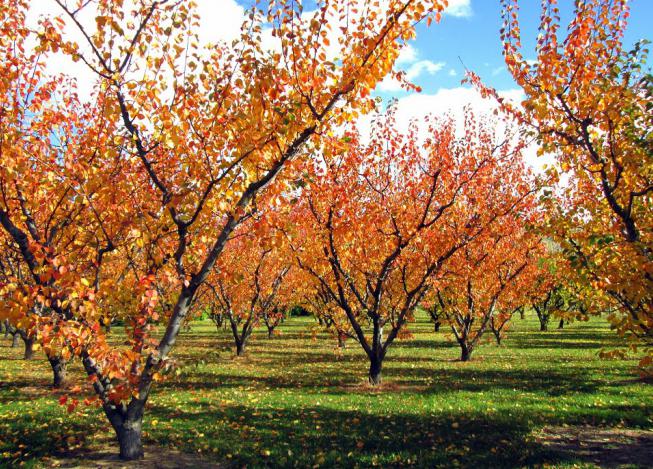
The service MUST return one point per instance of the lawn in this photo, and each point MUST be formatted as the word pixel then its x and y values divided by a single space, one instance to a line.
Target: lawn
pixel 542 398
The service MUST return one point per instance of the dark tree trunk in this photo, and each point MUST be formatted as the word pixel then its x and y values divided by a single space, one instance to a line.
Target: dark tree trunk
pixel 376 363
pixel 561 324
pixel 436 326
pixel 465 352
pixel 544 325
pixel 29 348
pixel 129 439
pixel 522 314
pixel 14 341
pixel 497 336
pixel 58 365
pixel 341 341
pixel 271 332
pixel 128 425
pixel 240 348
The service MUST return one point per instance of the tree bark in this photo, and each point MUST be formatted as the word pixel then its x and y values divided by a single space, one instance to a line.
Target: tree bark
pixel 544 326
pixel 14 342
pixel 376 363
pixel 465 352
pixel 342 344
pixel 58 365
pixel 29 348
pixel 561 324
pixel 240 348
pixel 128 425
pixel 436 327
pixel 270 332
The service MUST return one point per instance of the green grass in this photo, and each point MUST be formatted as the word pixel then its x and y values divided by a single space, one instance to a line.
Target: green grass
pixel 292 402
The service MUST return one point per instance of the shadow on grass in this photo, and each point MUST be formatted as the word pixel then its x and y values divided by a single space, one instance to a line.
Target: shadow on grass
pixel 334 438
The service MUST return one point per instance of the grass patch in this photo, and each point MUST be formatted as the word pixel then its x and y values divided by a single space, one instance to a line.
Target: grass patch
pixel 292 402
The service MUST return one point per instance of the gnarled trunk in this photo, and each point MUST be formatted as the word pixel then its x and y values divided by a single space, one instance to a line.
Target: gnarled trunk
pixel 376 363
pixel 240 347
pixel 58 365
pixel 465 352
pixel 342 343
pixel 29 348
pixel 128 425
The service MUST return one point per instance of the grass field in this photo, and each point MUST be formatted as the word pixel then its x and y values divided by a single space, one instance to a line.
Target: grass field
pixel 292 402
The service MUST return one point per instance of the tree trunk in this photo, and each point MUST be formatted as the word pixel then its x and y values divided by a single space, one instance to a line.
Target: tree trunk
pixel 522 314
pixel 129 439
pixel 376 364
pixel 29 348
pixel 341 342
pixel 240 348
pixel 270 332
pixel 14 341
pixel 465 352
pixel 128 426
pixel 543 325
pixel 561 324
pixel 58 365
pixel 497 336
pixel 436 326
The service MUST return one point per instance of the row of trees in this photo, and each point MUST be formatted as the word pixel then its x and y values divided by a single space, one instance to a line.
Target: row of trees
pixel 229 179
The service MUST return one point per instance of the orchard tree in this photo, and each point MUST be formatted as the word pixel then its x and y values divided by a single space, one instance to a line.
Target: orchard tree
pixel 589 101
pixel 328 314
pixel 380 220
pixel 547 301
pixel 247 281
pixel 159 168
pixel 487 277
pixel 500 321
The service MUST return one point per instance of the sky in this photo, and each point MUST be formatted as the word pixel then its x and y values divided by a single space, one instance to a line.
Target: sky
pixel 466 37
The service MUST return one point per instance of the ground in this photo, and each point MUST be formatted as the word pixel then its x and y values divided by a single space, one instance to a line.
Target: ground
pixel 540 399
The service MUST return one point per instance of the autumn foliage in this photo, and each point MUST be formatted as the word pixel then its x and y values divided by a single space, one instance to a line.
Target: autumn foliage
pixel 380 221
pixel 588 99
pixel 229 178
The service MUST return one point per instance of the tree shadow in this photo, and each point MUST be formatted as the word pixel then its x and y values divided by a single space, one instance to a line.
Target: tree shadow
pixel 304 437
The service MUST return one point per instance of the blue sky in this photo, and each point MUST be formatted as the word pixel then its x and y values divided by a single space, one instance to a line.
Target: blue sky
pixel 473 35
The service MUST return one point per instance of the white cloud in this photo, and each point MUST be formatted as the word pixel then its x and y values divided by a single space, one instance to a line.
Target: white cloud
pixel 407 55
pixel 452 73
pixel 459 8
pixel 220 20
pixel 452 102
pixel 414 68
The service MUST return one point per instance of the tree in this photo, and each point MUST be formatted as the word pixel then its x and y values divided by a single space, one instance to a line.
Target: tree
pixel 381 219
pixel 156 172
pixel 247 282
pixel 488 277
pixel 500 322
pixel 547 302
pixel 328 313
pixel 589 102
